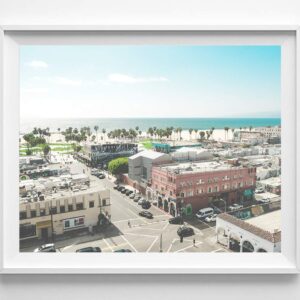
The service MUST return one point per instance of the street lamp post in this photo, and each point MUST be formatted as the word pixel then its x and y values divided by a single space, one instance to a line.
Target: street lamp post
pixel 52 227
pixel 160 243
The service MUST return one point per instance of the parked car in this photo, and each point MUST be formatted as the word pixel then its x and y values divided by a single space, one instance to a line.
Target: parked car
pixel 128 192
pixel 175 220
pixel 259 190
pixel 89 249
pixel 94 171
pixel 116 187
pixel 132 196
pixel 185 231
pixel 235 206
pixel 100 175
pixel 137 198
pixel 123 191
pixel 123 250
pixel 263 201
pixel 211 218
pixel 120 188
pixel 46 248
pixel 141 201
pixel 146 214
pixel 146 205
pixel 204 212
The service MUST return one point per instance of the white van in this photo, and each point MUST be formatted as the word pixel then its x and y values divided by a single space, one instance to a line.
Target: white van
pixel 205 212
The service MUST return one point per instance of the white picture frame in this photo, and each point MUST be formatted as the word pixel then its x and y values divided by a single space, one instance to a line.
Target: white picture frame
pixel 14 262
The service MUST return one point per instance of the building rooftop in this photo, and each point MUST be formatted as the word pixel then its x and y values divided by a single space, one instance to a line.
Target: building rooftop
pixel 197 167
pixel 259 226
pixel 148 154
pixel 272 181
pixel 270 222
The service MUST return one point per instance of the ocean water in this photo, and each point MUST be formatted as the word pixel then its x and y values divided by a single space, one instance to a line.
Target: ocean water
pixel 144 123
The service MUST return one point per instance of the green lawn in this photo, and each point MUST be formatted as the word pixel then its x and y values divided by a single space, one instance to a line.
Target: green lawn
pixel 59 147
pixel 147 144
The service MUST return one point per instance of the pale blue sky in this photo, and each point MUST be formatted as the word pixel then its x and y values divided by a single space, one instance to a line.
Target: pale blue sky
pixel 150 81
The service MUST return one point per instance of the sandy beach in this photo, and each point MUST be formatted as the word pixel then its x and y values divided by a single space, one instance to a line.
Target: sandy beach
pixel 218 135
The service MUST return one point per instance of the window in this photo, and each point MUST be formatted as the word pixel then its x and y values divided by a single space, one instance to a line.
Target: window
pixel 33 213
pixel 70 207
pixel 23 215
pixel 27 230
pixel 104 202
pixel 42 212
pixel 53 210
pixel 79 221
pixel 62 209
pixel 79 206
pixel 216 188
pixel 209 189
pixel 67 223
pixel 91 204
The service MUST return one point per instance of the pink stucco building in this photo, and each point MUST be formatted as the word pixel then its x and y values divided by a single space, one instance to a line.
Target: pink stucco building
pixel 200 183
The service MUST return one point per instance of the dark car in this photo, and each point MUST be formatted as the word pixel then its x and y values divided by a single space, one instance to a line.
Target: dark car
pixel 175 220
pixel 123 191
pixel 146 205
pixel 128 192
pixel 185 231
pixel 89 249
pixel 146 214
pixel 101 176
pixel 137 198
pixel 116 187
pixel 123 250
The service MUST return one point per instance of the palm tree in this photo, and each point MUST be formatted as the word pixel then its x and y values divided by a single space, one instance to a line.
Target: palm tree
pixel 202 135
pixel 190 131
pixel 226 128
pixel 180 130
pixel 96 128
pixel 104 131
pixel 196 133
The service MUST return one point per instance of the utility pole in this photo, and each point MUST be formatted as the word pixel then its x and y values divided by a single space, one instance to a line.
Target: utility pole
pixel 160 243
pixel 52 227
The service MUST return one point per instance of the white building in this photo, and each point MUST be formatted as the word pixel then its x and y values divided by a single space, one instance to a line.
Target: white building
pixel 140 165
pixel 191 154
pixel 257 234
pixel 62 212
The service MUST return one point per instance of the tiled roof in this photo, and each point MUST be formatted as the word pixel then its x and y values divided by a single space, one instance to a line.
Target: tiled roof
pixel 266 235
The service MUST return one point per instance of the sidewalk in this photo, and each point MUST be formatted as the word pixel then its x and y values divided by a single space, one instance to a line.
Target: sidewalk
pixel 64 240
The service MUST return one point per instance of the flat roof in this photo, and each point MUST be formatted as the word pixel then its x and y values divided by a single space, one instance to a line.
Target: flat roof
pixel 274 181
pixel 148 153
pixel 269 222
pixel 197 167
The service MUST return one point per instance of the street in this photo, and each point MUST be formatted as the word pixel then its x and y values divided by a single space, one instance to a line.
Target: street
pixel 138 234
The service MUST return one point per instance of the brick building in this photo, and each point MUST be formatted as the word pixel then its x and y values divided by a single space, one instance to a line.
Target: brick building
pixel 199 184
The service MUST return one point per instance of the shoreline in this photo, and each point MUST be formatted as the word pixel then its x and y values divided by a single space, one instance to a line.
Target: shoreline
pixel 218 135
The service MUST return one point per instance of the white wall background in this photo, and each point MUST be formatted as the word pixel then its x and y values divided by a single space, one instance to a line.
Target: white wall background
pixel 147 12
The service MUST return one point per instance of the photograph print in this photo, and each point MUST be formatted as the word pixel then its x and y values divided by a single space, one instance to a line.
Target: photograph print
pixel 150 148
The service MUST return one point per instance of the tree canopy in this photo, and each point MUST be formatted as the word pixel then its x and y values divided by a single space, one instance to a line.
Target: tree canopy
pixel 118 166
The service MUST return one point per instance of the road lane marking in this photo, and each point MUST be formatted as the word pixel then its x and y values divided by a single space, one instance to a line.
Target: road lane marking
pixel 152 244
pixel 108 245
pixel 164 228
pixel 123 237
pixel 138 234
pixel 169 249
pixel 126 220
